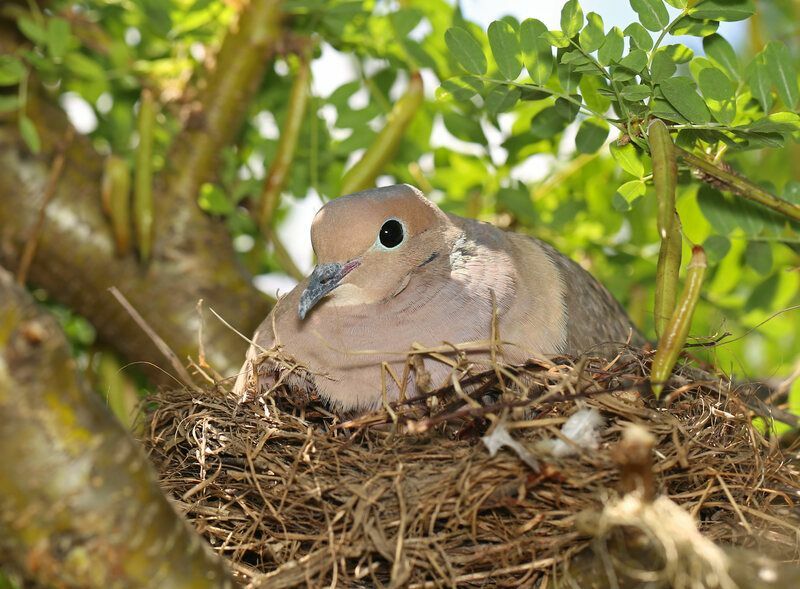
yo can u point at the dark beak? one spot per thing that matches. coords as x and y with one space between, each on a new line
323 280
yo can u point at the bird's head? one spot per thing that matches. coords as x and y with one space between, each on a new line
370 243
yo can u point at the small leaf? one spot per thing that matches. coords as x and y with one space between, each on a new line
631 192
760 82
628 159
501 98
31 29
681 93
611 49
556 39
463 127
781 70
694 27
9 103
763 294
662 67
466 50
547 123
678 53
720 52
571 18
636 92
592 36
591 135
635 61
84 67
727 10
58 37
652 13
461 88
29 134
591 87
791 191
537 54
715 84
505 45
567 109
639 36
566 70
717 247
758 255
11 70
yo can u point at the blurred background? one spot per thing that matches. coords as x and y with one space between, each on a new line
221 104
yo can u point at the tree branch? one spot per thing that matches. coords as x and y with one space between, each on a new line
80 505
739 185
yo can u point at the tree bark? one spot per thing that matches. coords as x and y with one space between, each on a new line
192 254
80 505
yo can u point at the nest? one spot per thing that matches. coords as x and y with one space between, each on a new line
410 496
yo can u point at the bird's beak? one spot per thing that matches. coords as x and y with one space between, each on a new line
323 280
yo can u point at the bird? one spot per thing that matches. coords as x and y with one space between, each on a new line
393 271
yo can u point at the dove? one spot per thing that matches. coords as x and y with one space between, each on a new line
394 270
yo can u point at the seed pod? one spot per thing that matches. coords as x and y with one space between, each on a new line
364 172
143 181
117 201
674 337
287 144
665 178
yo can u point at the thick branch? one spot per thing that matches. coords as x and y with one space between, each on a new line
739 185
79 503
223 101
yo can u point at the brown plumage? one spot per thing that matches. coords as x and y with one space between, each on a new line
394 270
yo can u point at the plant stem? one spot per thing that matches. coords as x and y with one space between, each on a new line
739 185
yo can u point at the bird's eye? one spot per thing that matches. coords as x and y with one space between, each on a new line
391 234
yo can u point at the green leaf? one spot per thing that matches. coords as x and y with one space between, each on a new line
461 88
791 191
537 54
760 82
652 13
627 158
547 123
591 135
11 70
567 109
758 255
9 103
681 94
694 27
213 200
782 72
636 92
715 84
571 18
727 10
29 134
662 67
466 50
566 70
84 67
592 35
31 29
505 45
763 294
726 214
678 53
629 192
635 61
501 98
717 247
611 49
679 4
556 39
720 52
639 36
58 37
464 127
590 87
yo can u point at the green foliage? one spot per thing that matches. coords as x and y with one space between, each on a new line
515 95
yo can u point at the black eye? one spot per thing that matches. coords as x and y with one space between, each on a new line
391 234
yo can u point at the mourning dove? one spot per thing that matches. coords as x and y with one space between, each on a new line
394 270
